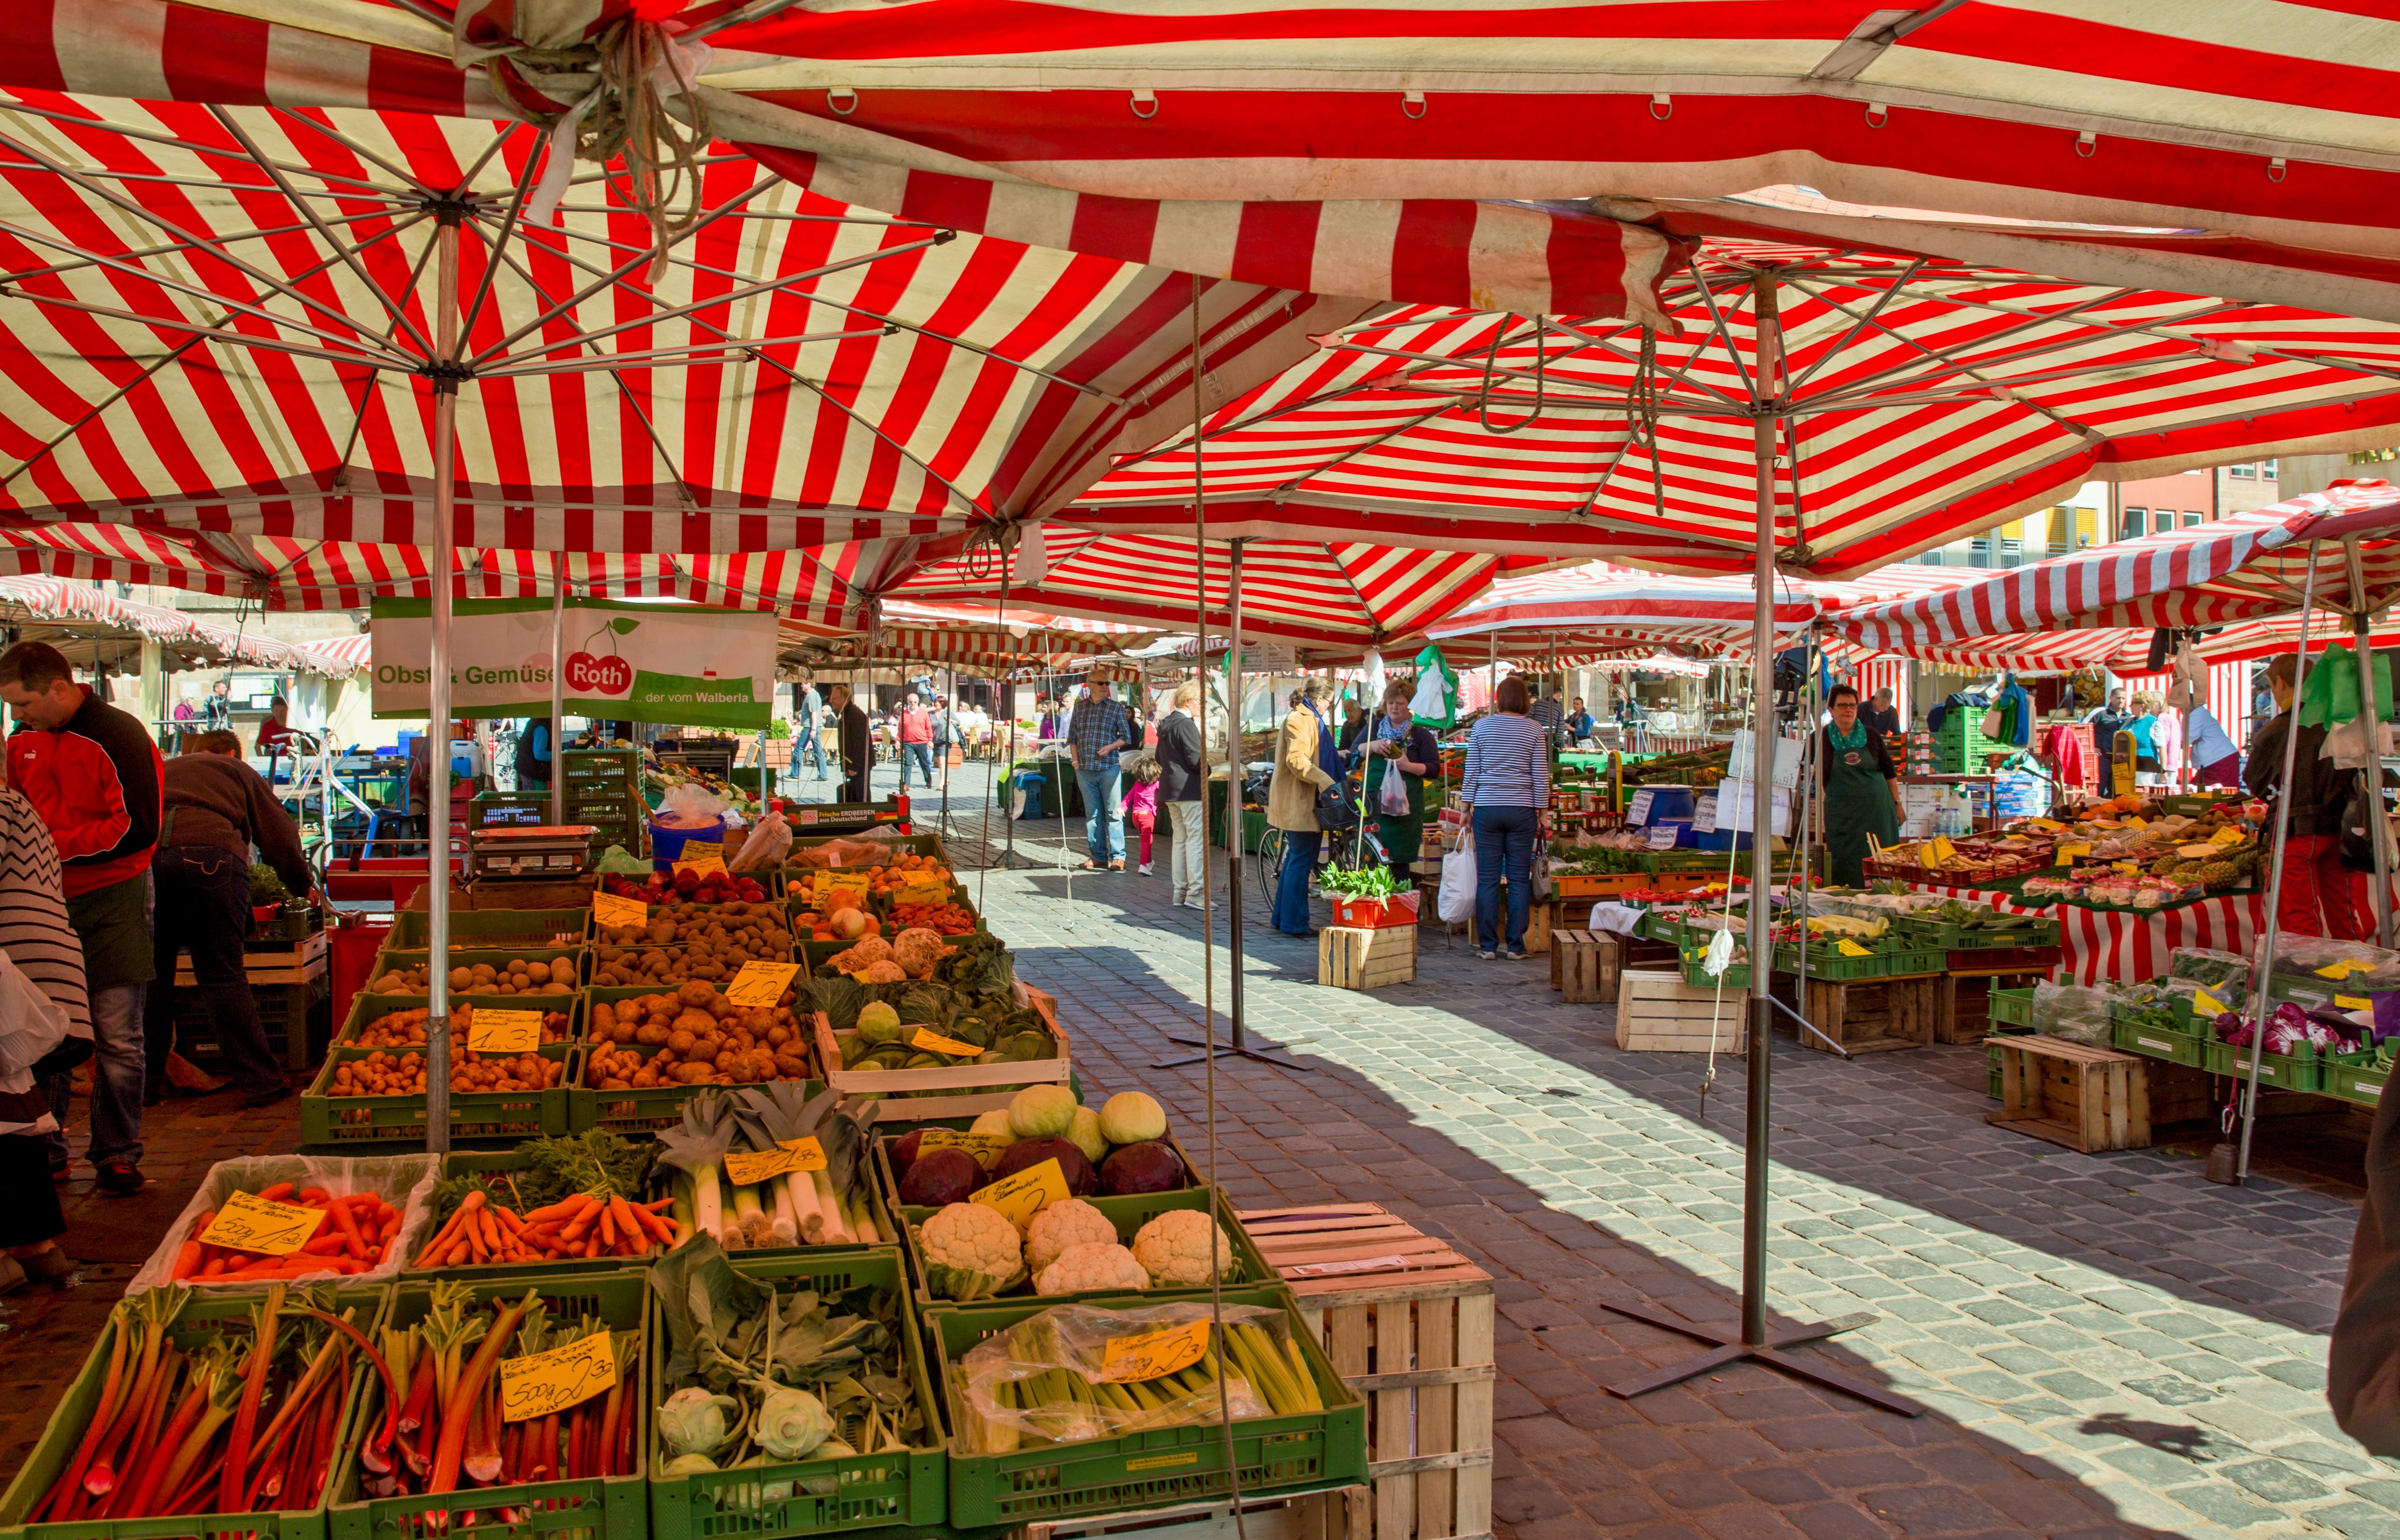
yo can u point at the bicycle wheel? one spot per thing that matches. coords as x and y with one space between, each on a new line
1270 864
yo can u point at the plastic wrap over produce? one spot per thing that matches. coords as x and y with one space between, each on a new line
1069 1374
404 1183
2072 1012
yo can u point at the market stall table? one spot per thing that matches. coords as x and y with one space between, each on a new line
2124 945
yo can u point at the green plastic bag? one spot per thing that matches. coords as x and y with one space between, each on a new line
2330 695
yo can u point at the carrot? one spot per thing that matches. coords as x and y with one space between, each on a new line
658 1228
346 1226
315 1197
507 1217
327 1246
607 1229
187 1260
564 1208
277 1193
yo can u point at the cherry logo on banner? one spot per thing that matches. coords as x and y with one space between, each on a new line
589 674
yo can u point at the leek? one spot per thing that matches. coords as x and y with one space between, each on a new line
751 1216
786 1224
836 1229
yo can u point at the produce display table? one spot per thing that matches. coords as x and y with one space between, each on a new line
2129 944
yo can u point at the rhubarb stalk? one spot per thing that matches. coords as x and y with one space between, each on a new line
458 1408
111 1387
245 1420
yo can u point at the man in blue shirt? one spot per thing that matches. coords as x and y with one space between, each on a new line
1100 729
806 724
1579 723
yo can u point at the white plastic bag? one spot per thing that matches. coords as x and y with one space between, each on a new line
405 1181
1455 901
689 806
1392 795
768 844
31 1022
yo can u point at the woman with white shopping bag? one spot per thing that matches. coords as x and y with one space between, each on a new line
1400 757
45 1030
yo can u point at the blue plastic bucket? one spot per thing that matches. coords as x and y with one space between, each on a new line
1669 803
666 844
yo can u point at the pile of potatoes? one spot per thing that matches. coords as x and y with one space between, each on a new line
406 1029
383 1074
702 1038
516 976
708 942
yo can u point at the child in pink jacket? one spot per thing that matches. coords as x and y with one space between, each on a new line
1141 801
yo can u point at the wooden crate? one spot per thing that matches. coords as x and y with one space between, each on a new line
1585 967
1541 918
1305 1517
2181 1093
291 965
2073 1094
1408 1322
1348 958
1867 1015
1963 1000
1657 1012
952 1091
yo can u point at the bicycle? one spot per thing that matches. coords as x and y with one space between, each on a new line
1353 850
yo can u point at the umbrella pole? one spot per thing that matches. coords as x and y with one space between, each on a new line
557 685
437 781
1751 1340
2380 829
2263 973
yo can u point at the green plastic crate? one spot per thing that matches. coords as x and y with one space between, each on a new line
1152 1469
610 1507
488 929
2151 1042
1129 1214
869 1491
466 1163
1950 936
1827 962
294 923
1911 962
2356 1077
1736 977
392 957
366 1008
640 1109
59 1438
329 1121
2012 1006
2276 1071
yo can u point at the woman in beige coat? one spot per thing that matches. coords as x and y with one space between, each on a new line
1305 763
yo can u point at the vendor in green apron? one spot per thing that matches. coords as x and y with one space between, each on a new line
1861 790
1397 746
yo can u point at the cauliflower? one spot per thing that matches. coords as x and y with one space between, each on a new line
1174 1248
885 972
917 948
869 951
1061 1225
969 1252
1092 1266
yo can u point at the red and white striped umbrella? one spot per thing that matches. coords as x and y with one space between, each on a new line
1914 401
1320 595
2242 567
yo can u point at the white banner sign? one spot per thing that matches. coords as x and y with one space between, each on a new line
690 664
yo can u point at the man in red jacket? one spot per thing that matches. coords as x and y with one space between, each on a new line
93 774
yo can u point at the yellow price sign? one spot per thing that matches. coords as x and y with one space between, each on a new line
934 1043
2048 825
823 883
1147 1354
701 856
923 890
2226 837
2065 854
1943 850
760 984
746 1167
2134 823
986 1149
613 909
2352 1002
2206 1004
539 1383
2343 969
1851 949
503 1031
1020 1197
251 1224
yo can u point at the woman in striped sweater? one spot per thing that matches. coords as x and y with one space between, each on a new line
36 937
1508 792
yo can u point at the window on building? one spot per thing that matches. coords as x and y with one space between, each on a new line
2242 473
2136 522
2193 516
2266 470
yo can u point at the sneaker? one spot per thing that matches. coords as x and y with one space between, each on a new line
1483 956
1516 956
121 1178
1145 869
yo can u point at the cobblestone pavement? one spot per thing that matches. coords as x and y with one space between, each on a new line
2108 1345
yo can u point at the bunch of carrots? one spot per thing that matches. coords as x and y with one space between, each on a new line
351 1238
599 1223
440 1424
183 1421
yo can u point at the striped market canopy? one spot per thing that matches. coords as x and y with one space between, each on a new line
2245 567
1321 595
1914 399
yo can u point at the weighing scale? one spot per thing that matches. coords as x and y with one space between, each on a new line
554 849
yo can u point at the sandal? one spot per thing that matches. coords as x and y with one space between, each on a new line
1091 867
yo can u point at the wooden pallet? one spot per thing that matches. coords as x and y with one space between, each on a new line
1349 957
1962 1002
1408 1322
1657 1012
2073 1094
1585 967
1867 1015
293 965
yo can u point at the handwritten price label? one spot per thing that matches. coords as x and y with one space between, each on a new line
835 882
2343 969
986 1149
934 1043
1147 1354
760 984
746 1167
927 890
2065 854
612 909
256 1224
539 1383
1020 1197
503 1031
2206 1004
700 857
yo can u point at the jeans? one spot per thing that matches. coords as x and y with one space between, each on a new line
118 1053
1504 846
810 746
1102 812
1188 860
919 755
1299 850
204 905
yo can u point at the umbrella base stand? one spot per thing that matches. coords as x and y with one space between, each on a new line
1731 1349
1218 1047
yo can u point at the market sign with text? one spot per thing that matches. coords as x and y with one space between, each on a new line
690 664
